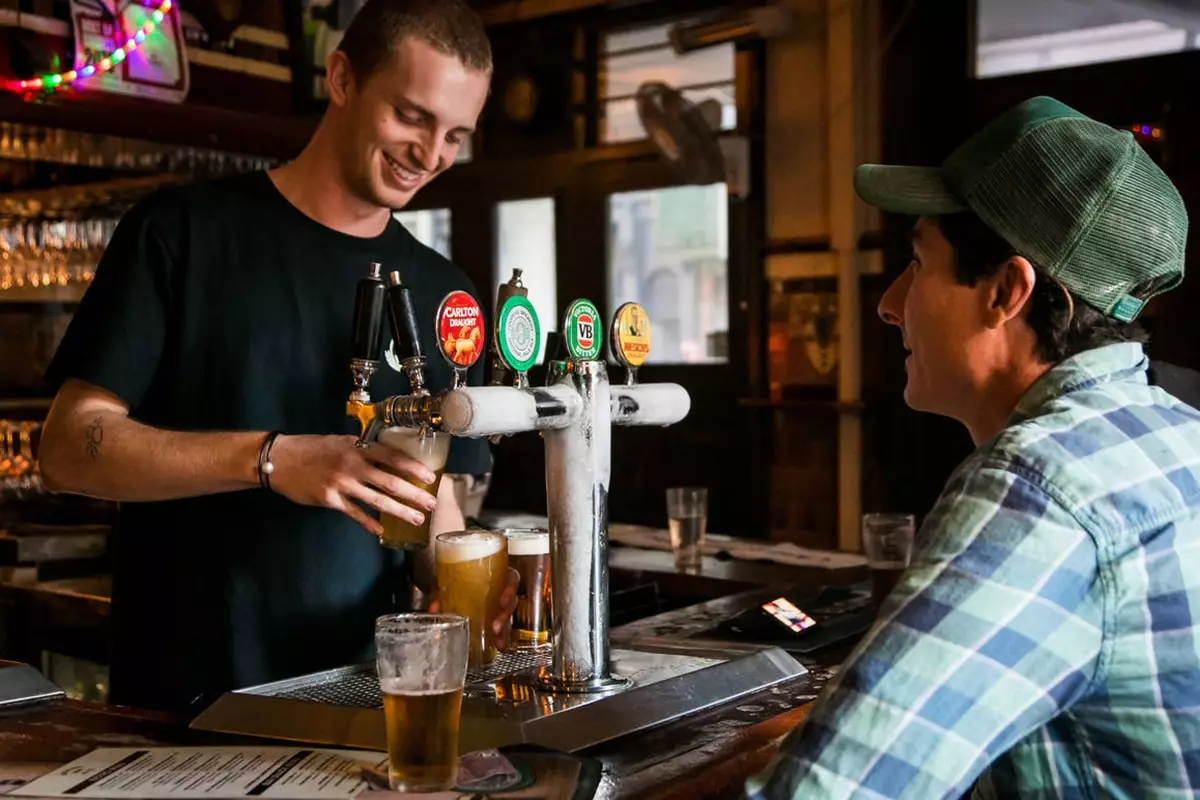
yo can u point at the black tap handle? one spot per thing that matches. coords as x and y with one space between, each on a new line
404 319
556 347
367 333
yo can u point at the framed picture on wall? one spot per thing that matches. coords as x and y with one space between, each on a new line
315 29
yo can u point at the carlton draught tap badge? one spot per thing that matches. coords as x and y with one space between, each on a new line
460 329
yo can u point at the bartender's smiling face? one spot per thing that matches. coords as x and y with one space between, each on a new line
406 122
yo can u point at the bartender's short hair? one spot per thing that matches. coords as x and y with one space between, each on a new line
450 26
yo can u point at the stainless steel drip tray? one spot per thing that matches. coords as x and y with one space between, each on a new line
502 705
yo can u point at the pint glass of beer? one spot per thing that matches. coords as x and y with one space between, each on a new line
888 542
422 664
431 449
472 570
529 555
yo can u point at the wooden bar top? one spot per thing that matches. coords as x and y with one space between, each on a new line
708 755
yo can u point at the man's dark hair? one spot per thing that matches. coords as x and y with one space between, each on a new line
1062 327
449 26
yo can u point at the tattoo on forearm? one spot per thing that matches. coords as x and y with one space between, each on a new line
94 436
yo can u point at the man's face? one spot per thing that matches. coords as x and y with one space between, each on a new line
950 344
407 121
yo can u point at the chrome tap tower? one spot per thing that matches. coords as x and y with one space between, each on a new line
575 412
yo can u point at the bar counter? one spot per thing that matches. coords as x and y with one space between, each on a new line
706 755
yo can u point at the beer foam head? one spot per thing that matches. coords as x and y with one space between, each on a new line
528 543
468 546
430 448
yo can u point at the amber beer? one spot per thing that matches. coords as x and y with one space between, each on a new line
431 449
472 569
887 542
422 736
422 664
529 555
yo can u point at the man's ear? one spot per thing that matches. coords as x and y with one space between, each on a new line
339 78
1011 288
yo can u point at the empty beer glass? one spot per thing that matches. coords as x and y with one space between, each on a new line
422 664
472 570
529 555
431 449
687 522
888 543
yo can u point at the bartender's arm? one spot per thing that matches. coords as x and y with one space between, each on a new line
91 446
993 631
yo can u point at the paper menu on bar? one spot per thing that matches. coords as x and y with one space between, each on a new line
218 773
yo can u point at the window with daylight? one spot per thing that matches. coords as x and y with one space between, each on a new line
632 57
525 241
430 227
1017 36
668 249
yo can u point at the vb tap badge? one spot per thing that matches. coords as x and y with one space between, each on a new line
583 330
518 334
459 330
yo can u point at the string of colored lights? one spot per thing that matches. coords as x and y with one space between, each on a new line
57 81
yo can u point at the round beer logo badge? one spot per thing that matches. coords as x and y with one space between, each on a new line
583 330
631 335
518 333
459 329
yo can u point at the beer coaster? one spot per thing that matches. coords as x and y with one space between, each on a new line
489 771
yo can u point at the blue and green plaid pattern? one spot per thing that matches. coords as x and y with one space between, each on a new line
1043 643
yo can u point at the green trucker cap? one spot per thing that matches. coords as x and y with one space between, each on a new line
1080 199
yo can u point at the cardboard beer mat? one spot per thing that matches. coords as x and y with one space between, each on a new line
225 773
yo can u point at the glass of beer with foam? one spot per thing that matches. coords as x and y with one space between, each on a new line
431 449
472 570
422 664
529 555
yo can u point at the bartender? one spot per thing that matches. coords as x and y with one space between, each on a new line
215 339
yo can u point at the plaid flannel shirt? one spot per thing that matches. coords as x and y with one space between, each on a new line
1043 642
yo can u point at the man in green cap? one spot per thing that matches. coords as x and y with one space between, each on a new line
1043 641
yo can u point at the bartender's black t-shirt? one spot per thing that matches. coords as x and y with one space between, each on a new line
221 306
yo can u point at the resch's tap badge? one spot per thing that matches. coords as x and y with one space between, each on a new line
631 335
519 333
583 330
460 329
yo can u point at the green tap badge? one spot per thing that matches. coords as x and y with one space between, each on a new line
582 326
518 333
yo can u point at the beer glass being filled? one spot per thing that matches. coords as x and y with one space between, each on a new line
422 664
472 570
431 449
529 555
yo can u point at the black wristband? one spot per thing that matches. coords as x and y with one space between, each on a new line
265 467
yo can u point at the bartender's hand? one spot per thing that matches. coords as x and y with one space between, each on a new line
502 621
330 471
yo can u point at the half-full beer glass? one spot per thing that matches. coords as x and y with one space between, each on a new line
529 555
431 449
472 570
422 664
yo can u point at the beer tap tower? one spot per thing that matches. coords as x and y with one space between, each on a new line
574 412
